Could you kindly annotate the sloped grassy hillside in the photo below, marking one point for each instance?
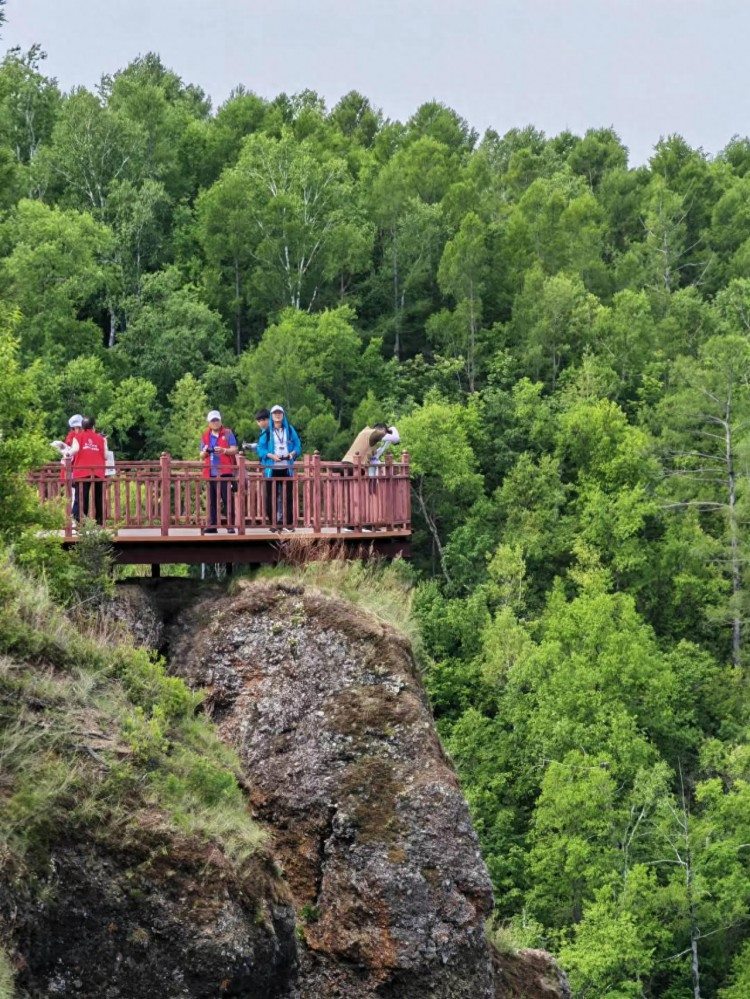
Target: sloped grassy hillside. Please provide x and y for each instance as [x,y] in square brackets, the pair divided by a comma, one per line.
[123,829]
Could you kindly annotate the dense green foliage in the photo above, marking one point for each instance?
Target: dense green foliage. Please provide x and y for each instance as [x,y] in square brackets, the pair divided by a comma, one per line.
[564,343]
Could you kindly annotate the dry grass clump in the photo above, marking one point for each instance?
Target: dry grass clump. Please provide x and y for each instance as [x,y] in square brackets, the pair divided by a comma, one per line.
[383,588]
[509,936]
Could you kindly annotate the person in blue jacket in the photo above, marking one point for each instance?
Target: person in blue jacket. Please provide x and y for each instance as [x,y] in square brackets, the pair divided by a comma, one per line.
[278,448]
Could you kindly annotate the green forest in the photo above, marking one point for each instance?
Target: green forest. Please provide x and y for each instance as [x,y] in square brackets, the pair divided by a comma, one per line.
[562,340]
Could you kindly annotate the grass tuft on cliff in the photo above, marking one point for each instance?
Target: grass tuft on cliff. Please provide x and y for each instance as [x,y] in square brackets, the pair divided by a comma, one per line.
[6,976]
[385,589]
[97,740]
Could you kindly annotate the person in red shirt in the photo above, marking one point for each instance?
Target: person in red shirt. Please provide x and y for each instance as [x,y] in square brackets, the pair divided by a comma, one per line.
[218,448]
[89,469]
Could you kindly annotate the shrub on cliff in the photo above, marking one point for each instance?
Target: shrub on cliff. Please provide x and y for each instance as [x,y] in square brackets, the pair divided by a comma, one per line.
[97,740]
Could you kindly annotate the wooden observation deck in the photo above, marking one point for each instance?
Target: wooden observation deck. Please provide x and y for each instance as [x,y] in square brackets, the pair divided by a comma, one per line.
[160,512]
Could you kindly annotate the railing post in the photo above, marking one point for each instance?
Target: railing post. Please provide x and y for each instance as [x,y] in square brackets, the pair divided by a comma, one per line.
[241,493]
[388,499]
[166,491]
[306,490]
[68,466]
[316,492]
[406,489]
[360,493]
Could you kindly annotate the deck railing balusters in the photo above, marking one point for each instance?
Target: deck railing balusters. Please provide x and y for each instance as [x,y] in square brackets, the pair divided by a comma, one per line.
[326,496]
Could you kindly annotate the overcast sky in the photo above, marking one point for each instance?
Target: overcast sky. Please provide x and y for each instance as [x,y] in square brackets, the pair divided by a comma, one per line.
[647,67]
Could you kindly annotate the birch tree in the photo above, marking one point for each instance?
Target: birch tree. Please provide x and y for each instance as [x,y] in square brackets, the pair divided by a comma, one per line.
[226,231]
[29,102]
[462,274]
[704,440]
[289,200]
[415,178]
[554,317]
[91,147]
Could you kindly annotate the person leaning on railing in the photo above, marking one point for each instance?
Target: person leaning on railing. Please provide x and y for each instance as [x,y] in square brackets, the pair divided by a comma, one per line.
[369,445]
[364,454]
[391,436]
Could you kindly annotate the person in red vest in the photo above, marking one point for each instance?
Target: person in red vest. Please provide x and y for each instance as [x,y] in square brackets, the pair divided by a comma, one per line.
[218,448]
[89,470]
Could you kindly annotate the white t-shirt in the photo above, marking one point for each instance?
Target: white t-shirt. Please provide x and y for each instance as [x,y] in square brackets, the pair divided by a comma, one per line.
[391,437]
[280,442]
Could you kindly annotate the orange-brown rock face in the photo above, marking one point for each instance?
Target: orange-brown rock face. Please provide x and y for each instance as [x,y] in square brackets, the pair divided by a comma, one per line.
[342,762]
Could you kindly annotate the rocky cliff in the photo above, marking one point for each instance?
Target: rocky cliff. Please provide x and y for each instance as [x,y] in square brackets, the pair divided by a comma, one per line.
[342,763]
[369,881]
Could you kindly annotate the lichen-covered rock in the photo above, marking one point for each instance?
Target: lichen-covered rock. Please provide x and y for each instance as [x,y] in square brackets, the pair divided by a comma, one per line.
[155,918]
[370,884]
[146,607]
[529,974]
[325,705]
[135,609]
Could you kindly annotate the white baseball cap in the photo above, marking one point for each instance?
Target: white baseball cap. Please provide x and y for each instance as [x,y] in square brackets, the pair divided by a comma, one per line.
[213,415]
[75,421]
[277,409]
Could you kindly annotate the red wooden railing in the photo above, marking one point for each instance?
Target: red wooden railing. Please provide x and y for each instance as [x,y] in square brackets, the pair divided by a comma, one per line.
[163,495]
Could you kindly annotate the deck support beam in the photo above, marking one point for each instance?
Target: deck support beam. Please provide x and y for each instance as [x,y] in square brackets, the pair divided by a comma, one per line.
[157,551]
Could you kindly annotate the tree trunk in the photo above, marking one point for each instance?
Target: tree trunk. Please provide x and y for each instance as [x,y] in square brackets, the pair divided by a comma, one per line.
[688,868]
[238,310]
[694,931]
[138,269]
[734,544]
[694,970]
[470,359]
[112,328]
[396,310]
[431,527]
